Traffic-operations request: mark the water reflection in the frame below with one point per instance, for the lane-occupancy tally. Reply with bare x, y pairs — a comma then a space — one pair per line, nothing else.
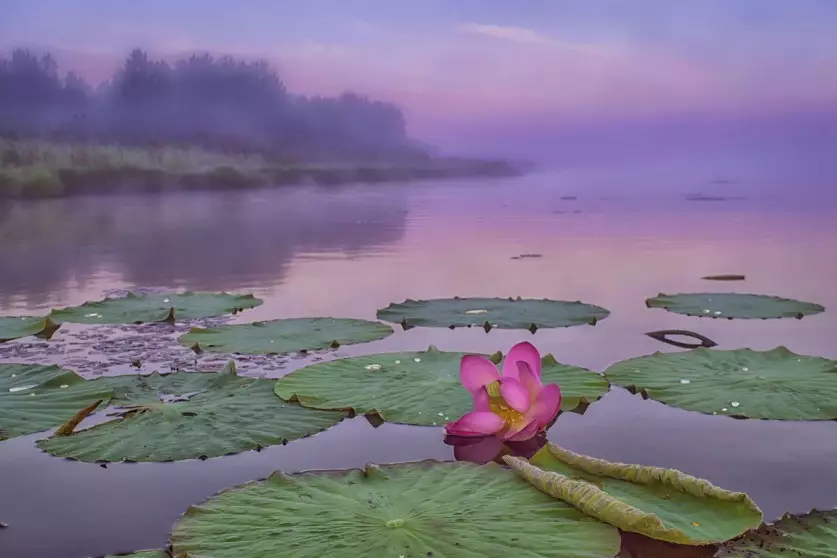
210, 241
485, 449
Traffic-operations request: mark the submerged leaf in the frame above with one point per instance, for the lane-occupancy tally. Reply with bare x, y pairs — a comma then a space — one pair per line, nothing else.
284, 336
813, 535
24, 326
188, 415
35, 398
155, 307
775, 384
422, 388
663, 504
427, 509
734, 305
504, 313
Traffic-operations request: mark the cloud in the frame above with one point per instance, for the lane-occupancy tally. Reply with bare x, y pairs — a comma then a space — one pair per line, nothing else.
521, 35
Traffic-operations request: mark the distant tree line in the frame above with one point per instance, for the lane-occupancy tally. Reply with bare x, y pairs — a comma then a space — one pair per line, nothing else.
217, 103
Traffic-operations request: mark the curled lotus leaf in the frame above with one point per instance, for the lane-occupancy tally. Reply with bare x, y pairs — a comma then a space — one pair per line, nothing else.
734, 306
24, 326
420, 388
663, 504
35, 397
813, 535
189, 415
504, 313
285, 335
155, 307
776, 384
451, 510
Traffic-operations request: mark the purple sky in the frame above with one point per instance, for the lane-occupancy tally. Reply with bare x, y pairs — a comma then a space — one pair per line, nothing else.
466, 70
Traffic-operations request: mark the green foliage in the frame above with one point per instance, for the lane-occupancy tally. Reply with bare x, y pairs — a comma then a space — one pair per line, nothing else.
734, 306
24, 326
813, 535
189, 415
155, 307
446, 510
421, 388
505, 313
663, 504
285, 336
775, 384
35, 398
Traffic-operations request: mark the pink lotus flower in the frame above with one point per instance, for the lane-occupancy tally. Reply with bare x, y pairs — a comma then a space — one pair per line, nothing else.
514, 406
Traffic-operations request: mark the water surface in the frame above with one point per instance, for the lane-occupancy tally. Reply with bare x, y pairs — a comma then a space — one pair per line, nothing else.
346, 251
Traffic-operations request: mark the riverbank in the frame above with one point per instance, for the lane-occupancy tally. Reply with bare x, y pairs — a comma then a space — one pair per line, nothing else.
45, 169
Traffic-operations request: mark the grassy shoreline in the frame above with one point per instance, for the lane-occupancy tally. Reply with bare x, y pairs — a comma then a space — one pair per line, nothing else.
46, 169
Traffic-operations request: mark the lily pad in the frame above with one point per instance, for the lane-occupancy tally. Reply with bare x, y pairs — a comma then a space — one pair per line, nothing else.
155, 307
775, 384
284, 336
35, 398
734, 306
663, 504
188, 415
504, 313
420, 388
24, 326
451, 510
813, 535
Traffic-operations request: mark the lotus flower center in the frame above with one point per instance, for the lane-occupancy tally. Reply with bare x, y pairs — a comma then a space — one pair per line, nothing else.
499, 406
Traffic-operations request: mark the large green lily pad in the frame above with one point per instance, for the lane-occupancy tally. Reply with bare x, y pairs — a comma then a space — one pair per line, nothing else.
35, 398
188, 415
284, 336
505, 313
420, 388
155, 307
734, 305
812, 535
24, 326
663, 504
450, 510
775, 384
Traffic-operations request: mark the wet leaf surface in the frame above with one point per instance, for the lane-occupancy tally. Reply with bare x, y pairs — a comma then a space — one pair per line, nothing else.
189, 415
451, 510
285, 335
155, 307
35, 398
734, 306
776, 384
421, 388
504, 313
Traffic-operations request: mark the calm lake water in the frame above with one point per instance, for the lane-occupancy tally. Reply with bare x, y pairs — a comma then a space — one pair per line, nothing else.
347, 251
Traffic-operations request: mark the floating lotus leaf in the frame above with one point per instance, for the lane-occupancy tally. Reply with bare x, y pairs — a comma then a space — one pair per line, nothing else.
450, 510
35, 398
734, 305
24, 326
505, 313
663, 504
415, 388
187, 415
775, 384
812, 535
285, 336
155, 307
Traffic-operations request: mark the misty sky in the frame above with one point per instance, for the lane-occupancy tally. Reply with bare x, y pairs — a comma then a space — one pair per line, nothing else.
471, 66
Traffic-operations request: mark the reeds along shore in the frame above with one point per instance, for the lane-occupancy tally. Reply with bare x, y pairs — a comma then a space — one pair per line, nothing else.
30, 169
